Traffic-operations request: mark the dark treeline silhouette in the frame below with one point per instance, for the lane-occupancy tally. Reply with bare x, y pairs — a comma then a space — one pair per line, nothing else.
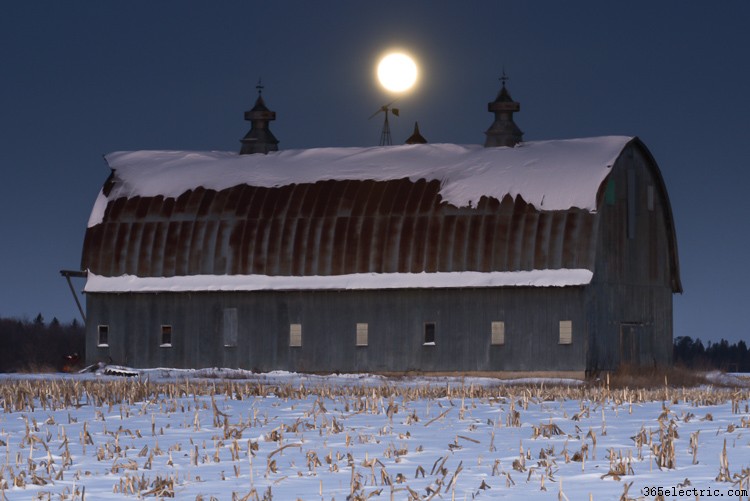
721, 355
36, 346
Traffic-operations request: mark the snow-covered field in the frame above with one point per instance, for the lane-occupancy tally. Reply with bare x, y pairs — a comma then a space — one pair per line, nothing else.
284, 436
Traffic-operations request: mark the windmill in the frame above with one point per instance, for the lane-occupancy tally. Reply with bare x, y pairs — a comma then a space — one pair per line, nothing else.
385, 134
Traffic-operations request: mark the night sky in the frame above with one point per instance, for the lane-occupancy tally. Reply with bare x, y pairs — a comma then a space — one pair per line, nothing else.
81, 79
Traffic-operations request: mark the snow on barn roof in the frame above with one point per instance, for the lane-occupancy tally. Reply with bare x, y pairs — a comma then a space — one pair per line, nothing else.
358, 281
550, 175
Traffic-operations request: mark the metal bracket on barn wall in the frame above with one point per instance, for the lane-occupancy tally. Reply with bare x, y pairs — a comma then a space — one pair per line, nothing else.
75, 274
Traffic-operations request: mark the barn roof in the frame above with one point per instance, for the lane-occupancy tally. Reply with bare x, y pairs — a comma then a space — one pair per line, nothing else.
550, 175
423, 215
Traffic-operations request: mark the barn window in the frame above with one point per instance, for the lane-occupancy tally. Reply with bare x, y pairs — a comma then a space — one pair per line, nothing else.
361, 334
103, 338
566, 331
498, 332
609, 192
166, 336
632, 206
295, 335
230, 327
650, 197
429, 334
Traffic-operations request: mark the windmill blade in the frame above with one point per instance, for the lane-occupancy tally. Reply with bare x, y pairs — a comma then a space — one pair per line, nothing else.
384, 108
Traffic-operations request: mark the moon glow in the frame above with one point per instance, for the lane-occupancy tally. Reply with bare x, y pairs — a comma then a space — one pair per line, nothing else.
397, 72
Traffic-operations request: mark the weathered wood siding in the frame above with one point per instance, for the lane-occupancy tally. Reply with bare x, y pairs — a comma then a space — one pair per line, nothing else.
395, 319
630, 298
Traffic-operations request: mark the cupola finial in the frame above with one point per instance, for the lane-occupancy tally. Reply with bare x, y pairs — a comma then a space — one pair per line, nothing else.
504, 78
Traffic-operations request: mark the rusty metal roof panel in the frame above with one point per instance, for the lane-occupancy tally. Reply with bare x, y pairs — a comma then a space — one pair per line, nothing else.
333, 228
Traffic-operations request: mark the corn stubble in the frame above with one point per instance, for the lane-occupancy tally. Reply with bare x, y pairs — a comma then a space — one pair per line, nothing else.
133, 453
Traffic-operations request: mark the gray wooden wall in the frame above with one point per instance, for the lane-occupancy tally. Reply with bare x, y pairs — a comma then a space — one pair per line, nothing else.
395, 321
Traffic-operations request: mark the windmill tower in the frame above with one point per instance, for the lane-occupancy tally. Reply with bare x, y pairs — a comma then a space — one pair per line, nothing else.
385, 133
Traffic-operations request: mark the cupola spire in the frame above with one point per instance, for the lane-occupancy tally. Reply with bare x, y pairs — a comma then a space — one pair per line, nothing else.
503, 131
416, 137
259, 138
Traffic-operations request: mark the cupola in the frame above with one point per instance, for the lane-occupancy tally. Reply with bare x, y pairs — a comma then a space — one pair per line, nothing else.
259, 138
503, 131
416, 137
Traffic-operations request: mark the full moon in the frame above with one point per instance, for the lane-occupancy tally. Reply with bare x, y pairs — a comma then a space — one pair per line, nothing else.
397, 72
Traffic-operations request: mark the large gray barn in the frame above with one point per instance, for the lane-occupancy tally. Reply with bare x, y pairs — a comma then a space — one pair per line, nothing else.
543, 256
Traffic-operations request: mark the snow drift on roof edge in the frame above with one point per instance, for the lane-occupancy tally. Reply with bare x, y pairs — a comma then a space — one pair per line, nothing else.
356, 281
550, 175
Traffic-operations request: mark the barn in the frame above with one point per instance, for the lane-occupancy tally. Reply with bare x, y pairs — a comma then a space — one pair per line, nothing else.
510, 257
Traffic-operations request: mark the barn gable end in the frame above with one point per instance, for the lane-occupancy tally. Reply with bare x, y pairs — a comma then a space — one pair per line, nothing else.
637, 269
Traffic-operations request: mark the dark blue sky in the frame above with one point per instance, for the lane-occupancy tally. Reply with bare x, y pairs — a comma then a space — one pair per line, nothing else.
80, 79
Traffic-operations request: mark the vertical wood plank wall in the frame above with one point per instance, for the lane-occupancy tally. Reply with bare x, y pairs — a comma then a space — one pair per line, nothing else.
463, 329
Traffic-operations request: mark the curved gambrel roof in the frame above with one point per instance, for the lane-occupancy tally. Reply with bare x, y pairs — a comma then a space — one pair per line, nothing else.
351, 211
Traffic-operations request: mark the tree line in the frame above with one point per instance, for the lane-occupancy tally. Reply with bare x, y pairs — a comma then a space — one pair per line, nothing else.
721, 355
39, 346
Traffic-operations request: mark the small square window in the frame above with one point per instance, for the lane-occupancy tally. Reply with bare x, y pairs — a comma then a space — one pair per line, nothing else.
361, 334
103, 335
498, 333
429, 334
295, 335
166, 336
566, 331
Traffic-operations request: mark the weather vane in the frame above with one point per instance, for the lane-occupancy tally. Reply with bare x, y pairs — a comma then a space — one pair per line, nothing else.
504, 78
259, 87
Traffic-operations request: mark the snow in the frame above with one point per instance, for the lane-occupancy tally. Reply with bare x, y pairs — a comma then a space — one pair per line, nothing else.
550, 175
357, 281
332, 437
287, 378
97, 212
729, 378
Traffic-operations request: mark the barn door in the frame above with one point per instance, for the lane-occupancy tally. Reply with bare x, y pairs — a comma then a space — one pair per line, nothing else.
634, 343
628, 344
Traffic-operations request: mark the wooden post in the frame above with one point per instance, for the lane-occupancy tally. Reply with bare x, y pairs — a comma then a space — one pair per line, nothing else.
78, 274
